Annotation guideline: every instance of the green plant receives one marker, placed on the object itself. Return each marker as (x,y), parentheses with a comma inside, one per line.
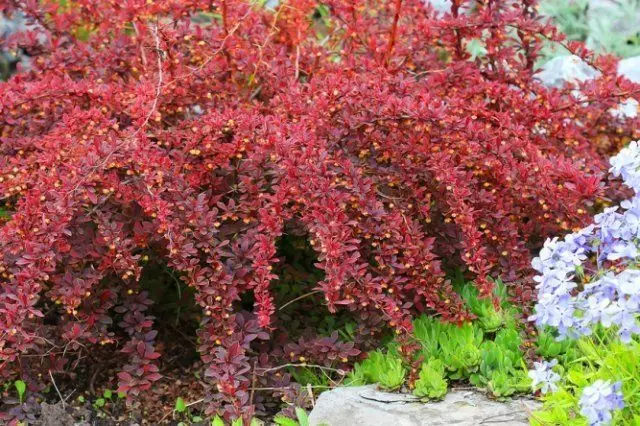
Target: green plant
(102,401)
(549,347)
(456,345)
(569,15)
(503,384)
(181,408)
(21,388)
(217,421)
(610,30)
(459,349)
(180,405)
(502,367)
(386,369)
(431,383)
(486,351)
(489,316)
(427,332)
(302,419)
(599,357)
(99,403)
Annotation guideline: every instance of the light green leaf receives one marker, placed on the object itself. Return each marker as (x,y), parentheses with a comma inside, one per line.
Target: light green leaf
(180,406)
(303,418)
(21,387)
(281,420)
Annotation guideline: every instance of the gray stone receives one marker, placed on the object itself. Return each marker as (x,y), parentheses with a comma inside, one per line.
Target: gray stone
(367,406)
(11,25)
(565,69)
(630,68)
(440,6)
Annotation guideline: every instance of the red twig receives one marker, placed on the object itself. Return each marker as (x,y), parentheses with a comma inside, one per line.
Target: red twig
(394,31)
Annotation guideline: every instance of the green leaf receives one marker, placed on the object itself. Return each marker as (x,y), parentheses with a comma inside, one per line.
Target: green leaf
(237,422)
(476,48)
(100,402)
(281,420)
(21,387)
(356,377)
(577,377)
(180,406)
(302,416)
(108,394)
(217,421)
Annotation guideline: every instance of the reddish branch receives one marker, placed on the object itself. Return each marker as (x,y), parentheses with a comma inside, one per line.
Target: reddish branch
(394,30)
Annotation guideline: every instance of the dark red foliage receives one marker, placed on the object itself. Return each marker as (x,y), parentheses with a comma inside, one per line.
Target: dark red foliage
(146,129)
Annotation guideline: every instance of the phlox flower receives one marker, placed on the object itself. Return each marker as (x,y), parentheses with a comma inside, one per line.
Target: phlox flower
(543,376)
(599,400)
(609,300)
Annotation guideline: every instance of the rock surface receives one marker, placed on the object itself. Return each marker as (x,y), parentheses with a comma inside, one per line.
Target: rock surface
(367,406)
(565,69)
(440,6)
(570,68)
(630,68)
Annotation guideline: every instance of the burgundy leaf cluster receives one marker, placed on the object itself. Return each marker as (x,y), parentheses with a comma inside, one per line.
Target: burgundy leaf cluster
(197,132)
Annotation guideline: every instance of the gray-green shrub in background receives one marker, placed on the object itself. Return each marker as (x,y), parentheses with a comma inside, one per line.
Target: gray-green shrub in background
(611,26)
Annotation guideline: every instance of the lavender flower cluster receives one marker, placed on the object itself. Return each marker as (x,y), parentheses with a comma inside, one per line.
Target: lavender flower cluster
(599,400)
(610,299)
(543,377)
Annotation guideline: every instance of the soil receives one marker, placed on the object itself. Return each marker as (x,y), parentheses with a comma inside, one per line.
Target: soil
(84,383)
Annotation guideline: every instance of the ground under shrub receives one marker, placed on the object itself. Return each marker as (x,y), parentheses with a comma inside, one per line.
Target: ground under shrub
(274,167)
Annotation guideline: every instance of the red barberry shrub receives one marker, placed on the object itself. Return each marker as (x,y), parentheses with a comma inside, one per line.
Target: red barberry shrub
(202,134)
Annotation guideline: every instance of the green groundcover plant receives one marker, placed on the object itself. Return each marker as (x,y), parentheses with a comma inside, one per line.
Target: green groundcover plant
(485,352)
(597,384)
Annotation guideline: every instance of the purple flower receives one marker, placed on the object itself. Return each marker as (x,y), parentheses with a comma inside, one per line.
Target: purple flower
(599,400)
(626,165)
(556,312)
(557,282)
(543,377)
(610,300)
(594,309)
(629,282)
(623,249)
